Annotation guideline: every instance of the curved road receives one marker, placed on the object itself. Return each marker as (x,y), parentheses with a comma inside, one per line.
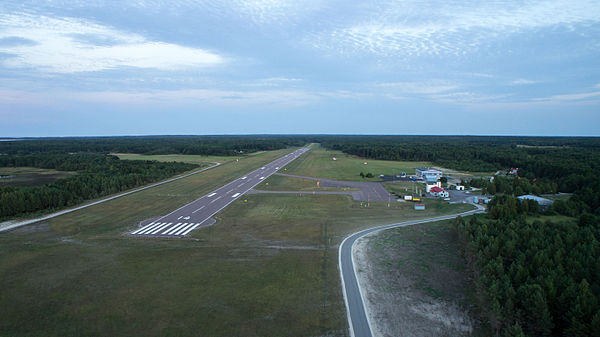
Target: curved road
(355,308)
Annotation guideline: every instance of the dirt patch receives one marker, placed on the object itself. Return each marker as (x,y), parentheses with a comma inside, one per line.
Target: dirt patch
(414,283)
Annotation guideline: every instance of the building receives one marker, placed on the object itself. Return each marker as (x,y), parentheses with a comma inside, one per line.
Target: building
(432,173)
(431,185)
(460,188)
(439,192)
(543,202)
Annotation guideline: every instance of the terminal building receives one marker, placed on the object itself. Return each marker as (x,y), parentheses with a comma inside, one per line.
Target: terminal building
(428,173)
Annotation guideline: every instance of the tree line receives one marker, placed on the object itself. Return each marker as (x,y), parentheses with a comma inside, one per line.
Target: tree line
(537,278)
(97,175)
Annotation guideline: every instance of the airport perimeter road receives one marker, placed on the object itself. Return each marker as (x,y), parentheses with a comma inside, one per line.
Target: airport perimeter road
(358,320)
(199,212)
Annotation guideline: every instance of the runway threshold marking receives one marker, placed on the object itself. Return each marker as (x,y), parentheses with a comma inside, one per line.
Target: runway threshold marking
(139,229)
(168,229)
(191,229)
(183,228)
(150,228)
(159,228)
(175,228)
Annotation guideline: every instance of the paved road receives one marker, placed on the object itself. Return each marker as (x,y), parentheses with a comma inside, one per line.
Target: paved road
(360,326)
(199,213)
(8,225)
(369,191)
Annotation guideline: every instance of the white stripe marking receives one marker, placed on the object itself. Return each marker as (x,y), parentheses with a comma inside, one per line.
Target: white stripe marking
(235,195)
(244,178)
(215,199)
(229,191)
(139,229)
(198,209)
(150,228)
(191,229)
(160,228)
(176,228)
(210,195)
(170,228)
(240,184)
(184,228)
(261,178)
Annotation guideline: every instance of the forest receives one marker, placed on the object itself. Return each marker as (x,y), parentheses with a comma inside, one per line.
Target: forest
(537,278)
(98,175)
(203,145)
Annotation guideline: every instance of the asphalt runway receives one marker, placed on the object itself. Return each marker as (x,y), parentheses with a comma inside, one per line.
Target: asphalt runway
(199,213)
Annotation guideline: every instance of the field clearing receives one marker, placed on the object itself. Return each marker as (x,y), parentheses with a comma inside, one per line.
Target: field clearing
(184,158)
(283,183)
(419,282)
(318,163)
(268,267)
(31,176)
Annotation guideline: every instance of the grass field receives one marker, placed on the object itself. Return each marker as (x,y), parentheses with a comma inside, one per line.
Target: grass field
(283,183)
(31,176)
(404,187)
(421,275)
(267,268)
(184,158)
(319,163)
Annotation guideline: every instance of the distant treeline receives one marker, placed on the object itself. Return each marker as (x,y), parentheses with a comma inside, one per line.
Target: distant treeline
(202,145)
(98,175)
(537,278)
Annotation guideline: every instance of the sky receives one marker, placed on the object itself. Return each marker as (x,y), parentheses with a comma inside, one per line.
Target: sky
(435,67)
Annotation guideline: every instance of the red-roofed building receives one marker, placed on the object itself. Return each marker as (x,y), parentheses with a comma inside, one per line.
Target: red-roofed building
(439,192)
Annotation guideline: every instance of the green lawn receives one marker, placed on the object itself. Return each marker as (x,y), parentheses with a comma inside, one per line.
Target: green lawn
(31,176)
(319,163)
(283,183)
(268,267)
(184,158)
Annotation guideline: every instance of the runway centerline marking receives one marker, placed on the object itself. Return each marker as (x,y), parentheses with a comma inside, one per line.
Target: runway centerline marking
(198,209)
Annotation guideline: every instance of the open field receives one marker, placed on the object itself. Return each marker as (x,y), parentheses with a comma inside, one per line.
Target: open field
(268,267)
(184,158)
(282,183)
(319,163)
(418,282)
(31,176)
(404,187)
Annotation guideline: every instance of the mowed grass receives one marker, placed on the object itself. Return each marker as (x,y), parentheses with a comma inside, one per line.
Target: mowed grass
(283,183)
(319,163)
(267,268)
(31,176)
(184,158)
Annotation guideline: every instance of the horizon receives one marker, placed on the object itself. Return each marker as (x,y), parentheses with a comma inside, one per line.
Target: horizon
(197,67)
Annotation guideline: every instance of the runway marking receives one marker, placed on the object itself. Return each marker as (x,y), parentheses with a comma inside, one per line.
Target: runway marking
(244,178)
(159,228)
(235,195)
(175,228)
(240,184)
(198,209)
(191,229)
(210,195)
(170,228)
(229,191)
(261,178)
(216,199)
(183,228)
(139,229)
(150,228)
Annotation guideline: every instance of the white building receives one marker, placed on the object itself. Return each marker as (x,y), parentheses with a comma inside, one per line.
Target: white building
(421,172)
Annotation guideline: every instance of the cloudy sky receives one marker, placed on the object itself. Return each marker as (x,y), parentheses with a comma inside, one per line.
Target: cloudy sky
(103,67)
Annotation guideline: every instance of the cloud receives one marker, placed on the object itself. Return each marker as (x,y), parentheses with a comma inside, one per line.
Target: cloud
(426,88)
(164,98)
(570,97)
(70,45)
(522,81)
(449,27)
